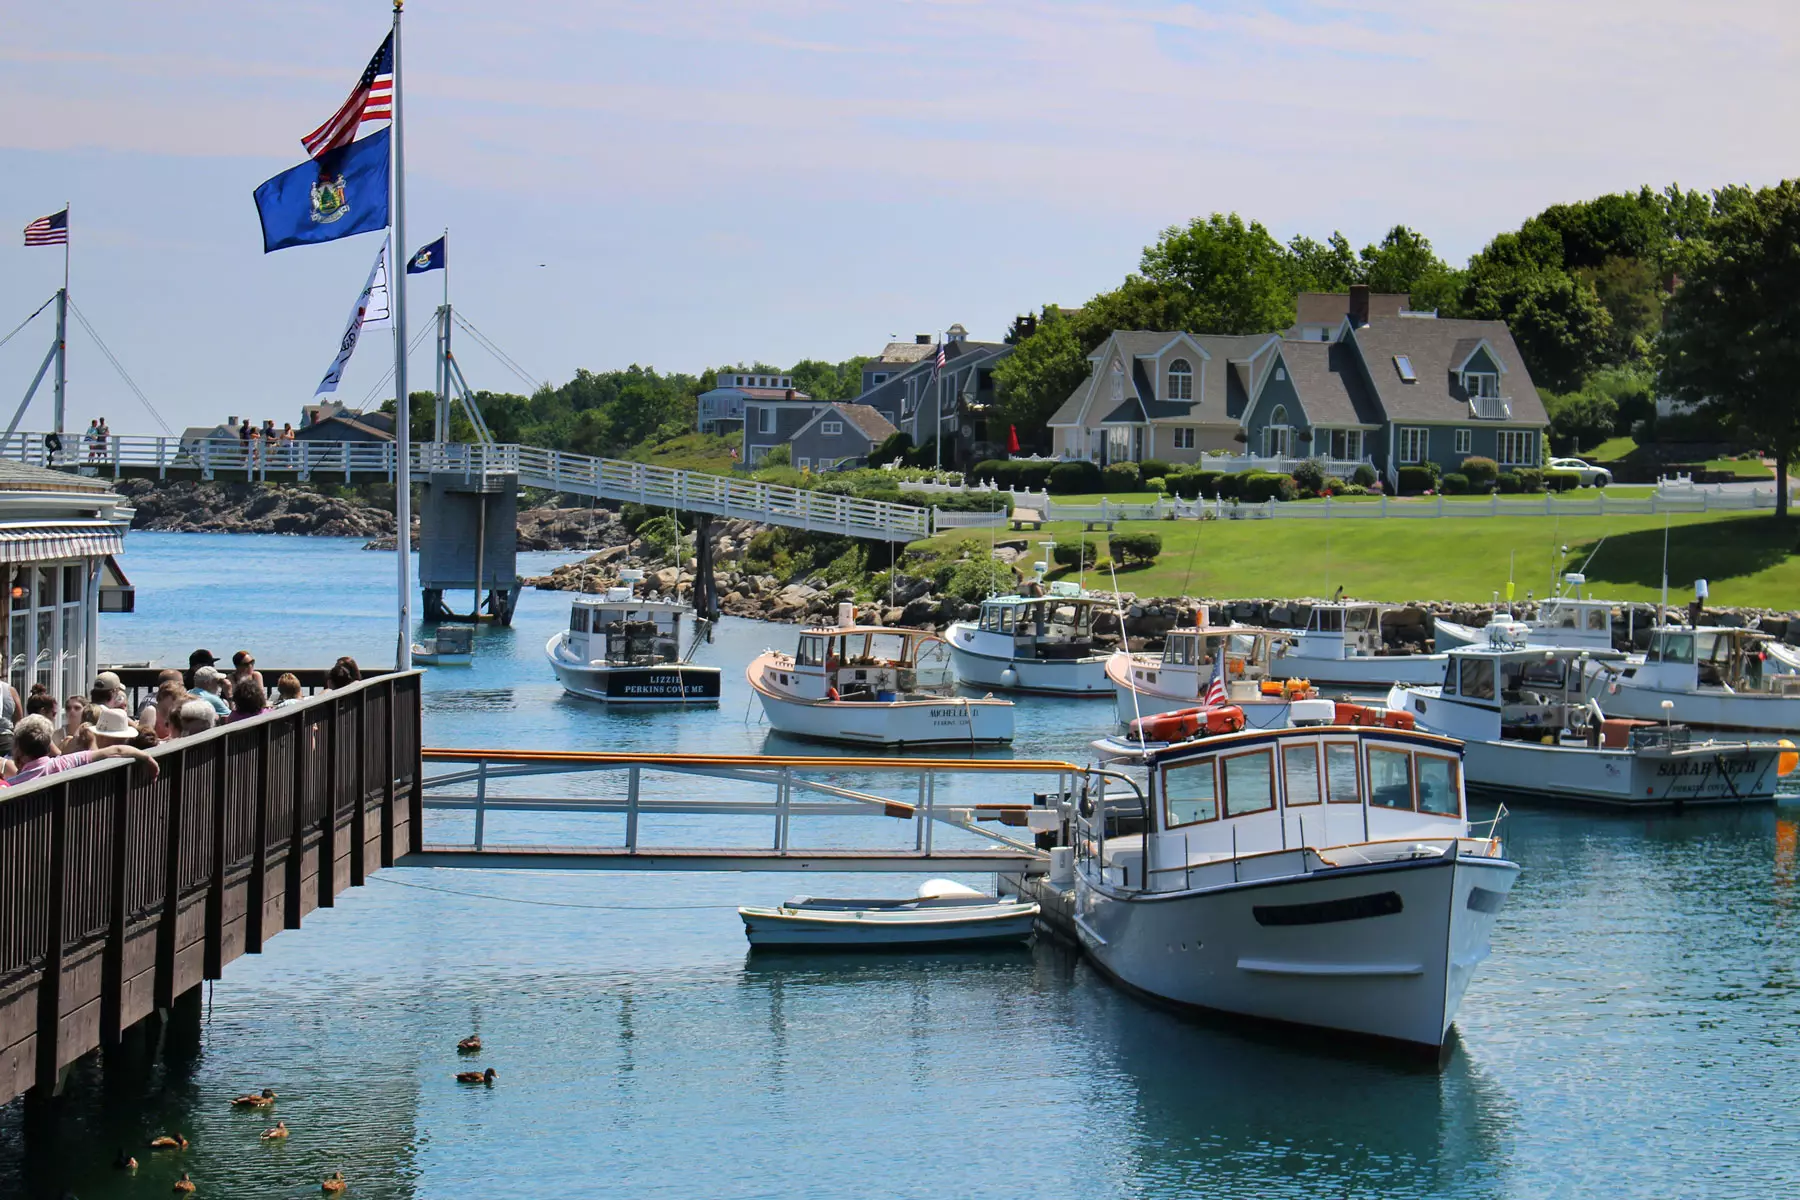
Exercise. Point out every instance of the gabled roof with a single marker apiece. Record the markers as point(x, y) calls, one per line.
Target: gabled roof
point(906, 352)
point(1465, 350)
point(1220, 393)
point(865, 420)
point(1433, 346)
point(758, 393)
point(1329, 383)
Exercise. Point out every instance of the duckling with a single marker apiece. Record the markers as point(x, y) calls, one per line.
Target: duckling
point(333, 1182)
point(255, 1100)
point(169, 1141)
point(470, 1044)
point(125, 1162)
point(278, 1133)
point(184, 1185)
point(486, 1076)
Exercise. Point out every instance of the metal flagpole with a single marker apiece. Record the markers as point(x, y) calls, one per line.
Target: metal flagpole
point(62, 332)
point(402, 405)
point(937, 402)
point(444, 405)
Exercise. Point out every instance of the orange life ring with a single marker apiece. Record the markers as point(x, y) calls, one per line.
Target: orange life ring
point(1227, 718)
point(831, 693)
point(1184, 723)
point(1397, 718)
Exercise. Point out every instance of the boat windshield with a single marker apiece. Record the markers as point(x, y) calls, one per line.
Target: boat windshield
point(932, 669)
point(1328, 620)
point(1669, 646)
point(1359, 620)
point(639, 636)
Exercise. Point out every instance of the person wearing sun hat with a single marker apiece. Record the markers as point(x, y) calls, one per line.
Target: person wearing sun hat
point(33, 757)
point(113, 728)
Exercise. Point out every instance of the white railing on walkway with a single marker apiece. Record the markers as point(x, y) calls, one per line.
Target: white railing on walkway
point(576, 474)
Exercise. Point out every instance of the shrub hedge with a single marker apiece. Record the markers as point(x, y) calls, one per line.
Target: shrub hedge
point(1455, 484)
point(1154, 468)
point(1415, 481)
point(1364, 476)
point(1073, 477)
point(1120, 477)
point(1561, 481)
point(1481, 472)
point(1134, 547)
point(1072, 555)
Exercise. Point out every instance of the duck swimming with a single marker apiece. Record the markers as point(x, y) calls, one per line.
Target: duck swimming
point(255, 1099)
point(278, 1133)
point(486, 1076)
point(125, 1162)
point(184, 1184)
point(169, 1141)
point(333, 1182)
point(470, 1044)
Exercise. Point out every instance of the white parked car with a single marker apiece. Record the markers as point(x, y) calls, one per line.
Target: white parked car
point(1591, 476)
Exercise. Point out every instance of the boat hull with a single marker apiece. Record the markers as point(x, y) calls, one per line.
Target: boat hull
point(1366, 671)
point(664, 683)
point(1056, 677)
point(1383, 951)
point(940, 721)
point(790, 930)
point(1656, 777)
point(1743, 712)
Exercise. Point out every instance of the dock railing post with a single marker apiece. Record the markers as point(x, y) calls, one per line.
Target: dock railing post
point(480, 803)
point(930, 804)
point(632, 781)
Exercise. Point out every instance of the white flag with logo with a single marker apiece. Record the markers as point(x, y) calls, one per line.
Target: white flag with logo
point(372, 311)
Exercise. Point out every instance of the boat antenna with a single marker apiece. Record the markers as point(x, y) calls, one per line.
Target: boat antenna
point(1663, 607)
point(1194, 550)
point(1137, 709)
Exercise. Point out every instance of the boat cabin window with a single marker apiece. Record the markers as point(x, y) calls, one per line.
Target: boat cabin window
point(1343, 783)
point(1359, 619)
point(1249, 782)
point(1008, 618)
point(1451, 670)
point(1390, 778)
point(811, 652)
point(1328, 620)
point(1671, 648)
point(1477, 677)
point(990, 618)
point(1437, 785)
point(1189, 795)
point(578, 619)
point(1300, 771)
point(1072, 620)
point(1559, 616)
point(1179, 652)
point(1533, 675)
point(1599, 620)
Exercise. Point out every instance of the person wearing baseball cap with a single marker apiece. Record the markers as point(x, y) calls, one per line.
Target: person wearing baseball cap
point(199, 658)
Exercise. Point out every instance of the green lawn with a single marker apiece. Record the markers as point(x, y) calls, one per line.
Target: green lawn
point(1749, 560)
point(1743, 468)
point(689, 452)
point(1611, 450)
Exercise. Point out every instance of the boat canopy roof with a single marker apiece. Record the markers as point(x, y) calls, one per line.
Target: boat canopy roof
point(1519, 653)
point(1250, 737)
point(911, 635)
point(630, 604)
point(1053, 597)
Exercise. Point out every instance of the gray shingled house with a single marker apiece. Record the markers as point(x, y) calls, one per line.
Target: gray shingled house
point(842, 433)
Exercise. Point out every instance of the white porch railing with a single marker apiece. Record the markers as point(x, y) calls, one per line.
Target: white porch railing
point(1490, 408)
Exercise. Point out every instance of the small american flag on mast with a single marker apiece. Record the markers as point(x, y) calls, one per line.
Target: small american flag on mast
point(1215, 691)
point(52, 230)
point(941, 359)
point(371, 100)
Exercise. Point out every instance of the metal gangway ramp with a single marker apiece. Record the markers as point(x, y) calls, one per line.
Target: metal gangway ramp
point(723, 812)
point(120, 455)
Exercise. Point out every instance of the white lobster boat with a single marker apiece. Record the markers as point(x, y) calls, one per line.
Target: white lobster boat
point(1535, 731)
point(1342, 644)
point(1316, 875)
point(1568, 618)
point(1147, 684)
point(622, 648)
point(1032, 644)
point(1711, 677)
point(868, 685)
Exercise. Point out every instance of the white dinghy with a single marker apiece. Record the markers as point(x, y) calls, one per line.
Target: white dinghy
point(942, 913)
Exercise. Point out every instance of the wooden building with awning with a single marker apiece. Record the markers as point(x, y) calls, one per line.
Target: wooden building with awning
point(59, 534)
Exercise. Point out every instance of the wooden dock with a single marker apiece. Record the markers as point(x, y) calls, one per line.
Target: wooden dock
point(118, 895)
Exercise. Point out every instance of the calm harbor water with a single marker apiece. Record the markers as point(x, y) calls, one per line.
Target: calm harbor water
point(1636, 1033)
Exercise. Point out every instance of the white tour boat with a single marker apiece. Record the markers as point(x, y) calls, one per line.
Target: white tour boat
point(1342, 644)
point(1710, 677)
point(448, 646)
point(1319, 875)
point(1032, 644)
point(868, 685)
point(1568, 618)
point(1534, 731)
point(943, 913)
point(1146, 684)
point(623, 648)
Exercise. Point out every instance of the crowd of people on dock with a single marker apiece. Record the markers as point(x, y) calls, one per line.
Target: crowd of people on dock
point(41, 736)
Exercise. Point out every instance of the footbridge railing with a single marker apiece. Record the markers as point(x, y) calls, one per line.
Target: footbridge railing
point(712, 812)
point(575, 474)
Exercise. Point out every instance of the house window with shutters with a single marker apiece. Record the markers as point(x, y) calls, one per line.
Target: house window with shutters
point(1181, 380)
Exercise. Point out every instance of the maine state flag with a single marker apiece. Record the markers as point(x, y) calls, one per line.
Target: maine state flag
point(345, 192)
point(434, 257)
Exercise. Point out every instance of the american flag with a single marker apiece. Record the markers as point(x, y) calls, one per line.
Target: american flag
point(371, 100)
point(52, 230)
point(939, 364)
point(1215, 691)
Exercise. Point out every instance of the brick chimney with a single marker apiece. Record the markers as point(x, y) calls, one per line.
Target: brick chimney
point(1359, 305)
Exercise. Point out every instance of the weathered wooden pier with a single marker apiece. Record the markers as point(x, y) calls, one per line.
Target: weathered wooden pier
point(118, 895)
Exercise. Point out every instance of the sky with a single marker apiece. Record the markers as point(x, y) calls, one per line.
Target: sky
point(701, 183)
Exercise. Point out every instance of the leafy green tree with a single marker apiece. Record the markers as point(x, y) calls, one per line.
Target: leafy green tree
point(1330, 267)
point(1236, 277)
point(1631, 291)
point(1732, 342)
point(1559, 323)
point(1402, 260)
point(1038, 376)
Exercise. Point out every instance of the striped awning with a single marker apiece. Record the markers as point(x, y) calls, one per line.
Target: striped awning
point(43, 541)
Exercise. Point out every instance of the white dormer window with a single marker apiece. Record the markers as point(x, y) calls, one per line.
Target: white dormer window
point(831, 428)
point(1481, 384)
point(1181, 380)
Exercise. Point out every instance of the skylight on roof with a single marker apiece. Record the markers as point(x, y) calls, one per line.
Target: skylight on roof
point(1403, 364)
